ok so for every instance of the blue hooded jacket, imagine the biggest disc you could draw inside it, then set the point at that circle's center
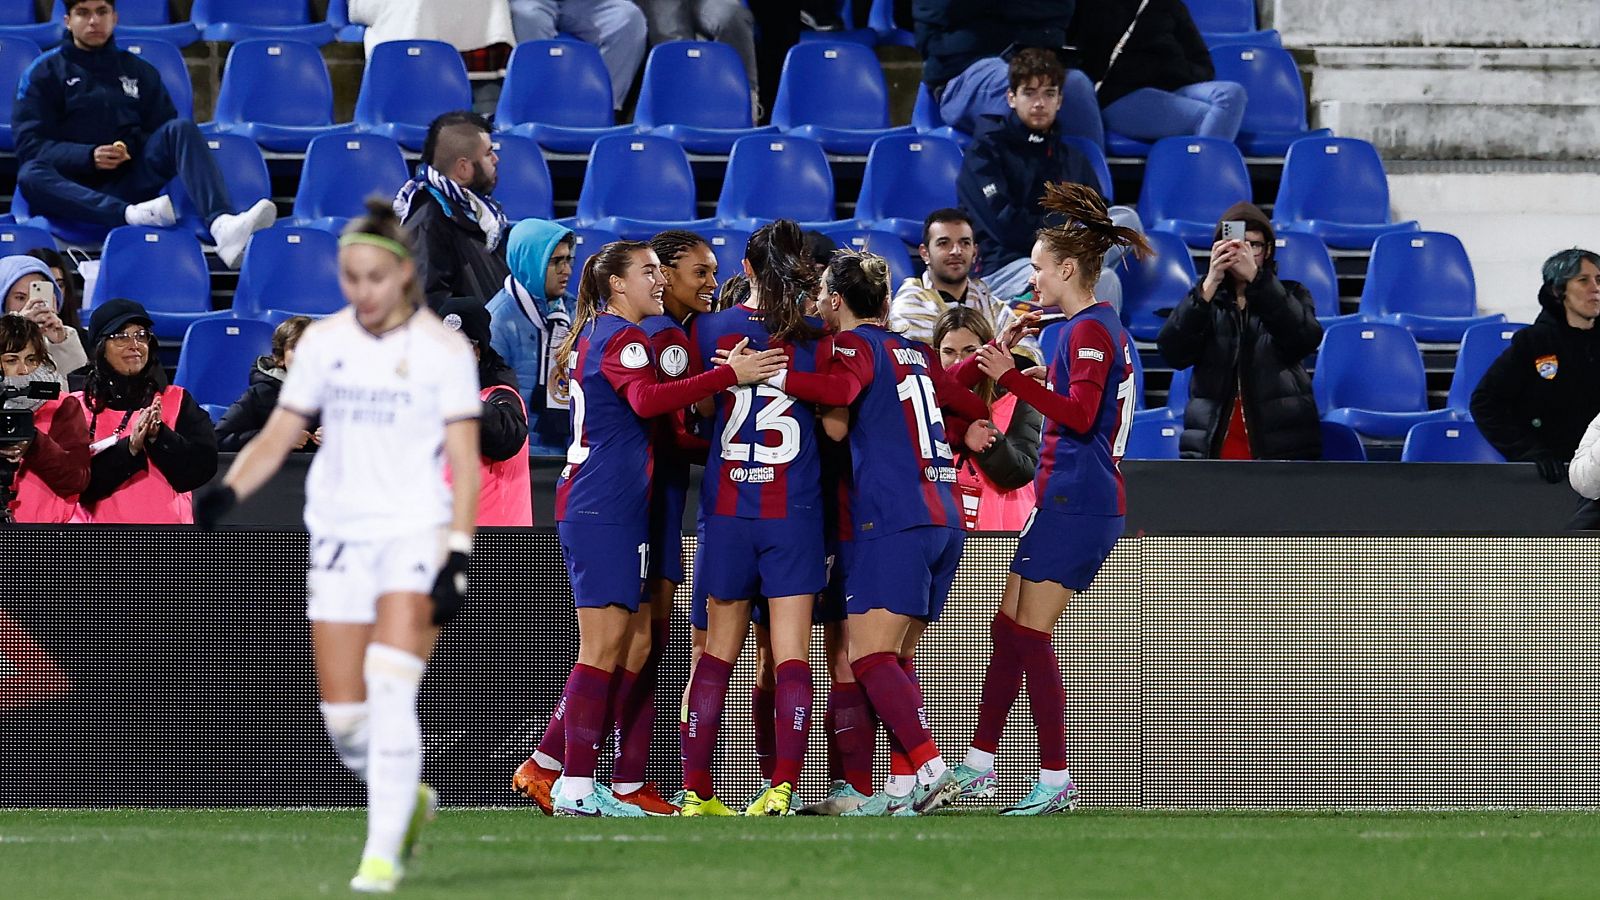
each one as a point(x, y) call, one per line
point(520, 342)
point(15, 267)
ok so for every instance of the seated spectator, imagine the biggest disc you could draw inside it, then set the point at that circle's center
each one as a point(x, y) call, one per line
point(615, 26)
point(65, 273)
point(98, 139)
point(1247, 335)
point(996, 485)
point(248, 414)
point(1160, 83)
point(505, 493)
point(727, 21)
point(463, 24)
point(949, 252)
point(1001, 185)
point(529, 320)
point(1535, 401)
point(152, 443)
point(44, 307)
point(41, 478)
point(458, 229)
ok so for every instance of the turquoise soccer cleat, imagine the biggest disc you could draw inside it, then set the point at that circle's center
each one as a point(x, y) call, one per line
point(975, 784)
point(1045, 799)
point(928, 798)
point(600, 803)
point(842, 798)
point(881, 804)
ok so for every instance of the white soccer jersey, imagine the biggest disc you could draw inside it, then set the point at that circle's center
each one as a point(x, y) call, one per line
point(384, 402)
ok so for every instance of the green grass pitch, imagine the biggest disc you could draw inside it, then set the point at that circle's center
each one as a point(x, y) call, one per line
point(245, 854)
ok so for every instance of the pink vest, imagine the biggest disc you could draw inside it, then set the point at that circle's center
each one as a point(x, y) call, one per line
point(505, 488)
point(997, 510)
point(146, 498)
point(36, 501)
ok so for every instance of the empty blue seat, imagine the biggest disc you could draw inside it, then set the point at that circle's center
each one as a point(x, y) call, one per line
point(140, 20)
point(276, 93)
point(585, 242)
point(1178, 391)
point(341, 172)
point(881, 19)
point(1222, 16)
point(1124, 147)
point(17, 21)
point(925, 118)
point(1336, 189)
point(1189, 182)
point(242, 20)
point(168, 60)
point(1423, 281)
point(218, 354)
point(1275, 117)
point(407, 85)
point(345, 31)
point(907, 177)
point(696, 93)
point(16, 55)
point(1481, 345)
point(1340, 443)
point(1153, 435)
point(884, 244)
point(287, 272)
point(834, 93)
point(1448, 442)
point(727, 245)
point(1268, 39)
point(1304, 258)
point(1369, 376)
point(636, 185)
point(776, 177)
point(1097, 159)
point(68, 232)
point(163, 269)
point(1152, 287)
point(17, 239)
point(568, 120)
point(524, 188)
point(244, 171)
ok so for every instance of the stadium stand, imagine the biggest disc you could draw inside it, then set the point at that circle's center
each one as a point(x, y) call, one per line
point(345, 31)
point(243, 20)
point(907, 177)
point(341, 171)
point(1304, 258)
point(162, 269)
point(1152, 287)
point(1480, 346)
point(524, 189)
point(244, 171)
point(1178, 390)
point(1097, 159)
point(773, 177)
point(696, 93)
point(168, 60)
point(585, 242)
point(1189, 182)
point(287, 272)
point(1275, 117)
point(144, 20)
point(611, 197)
point(834, 93)
point(1336, 189)
point(1340, 443)
point(1448, 442)
point(1369, 376)
point(16, 239)
point(887, 245)
point(1153, 436)
point(17, 21)
point(16, 55)
point(727, 244)
point(214, 365)
point(568, 120)
point(277, 93)
point(408, 84)
point(1423, 282)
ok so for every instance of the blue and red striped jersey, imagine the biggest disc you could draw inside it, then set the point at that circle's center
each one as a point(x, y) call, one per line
point(609, 462)
point(675, 448)
point(836, 488)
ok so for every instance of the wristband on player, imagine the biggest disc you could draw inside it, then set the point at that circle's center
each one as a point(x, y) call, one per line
point(458, 542)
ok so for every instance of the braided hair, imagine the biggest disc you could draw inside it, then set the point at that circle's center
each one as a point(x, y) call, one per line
point(1088, 233)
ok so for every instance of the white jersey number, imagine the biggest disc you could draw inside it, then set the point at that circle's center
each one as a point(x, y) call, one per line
point(918, 391)
point(771, 418)
point(1125, 406)
point(577, 451)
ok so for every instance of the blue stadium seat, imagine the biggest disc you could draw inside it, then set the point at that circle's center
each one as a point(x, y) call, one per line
point(1336, 189)
point(1481, 345)
point(17, 239)
point(585, 242)
point(1097, 159)
point(289, 271)
point(163, 269)
point(141, 20)
point(345, 31)
point(776, 177)
point(408, 84)
point(17, 21)
point(524, 179)
point(834, 93)
point(566, 121)
point(276, 93)
point(1369, 376)
point(907, 177)
point(1222, 16)
point(1304, 258)
point(925, 118)
point(340, 173)
point(1050, 337)
point(244, 171)
point(1268, 39)
point(696, 93)
point(1123, 147)
point(217, 356)
point(16, 55)
point(1189, 182)
point(881, 19)
point(636, 185)
point(886, 245)
point(1340, 443)
point(68, 232)
point(243, 20)
point(1423, 282)
point(1153, 435)
point(1448, 442)
point(1152, 287)
point(1178, 391)
point(1275, 117)
point(168, 60)
point(727, 245)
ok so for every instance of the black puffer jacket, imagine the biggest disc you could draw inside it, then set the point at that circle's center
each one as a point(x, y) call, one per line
point(1164, 52)
point(248, 414)
point(953, 34)
point(1526, 414)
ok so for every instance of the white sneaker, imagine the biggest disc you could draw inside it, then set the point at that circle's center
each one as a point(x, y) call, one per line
point(232, 232)
point(157, 213)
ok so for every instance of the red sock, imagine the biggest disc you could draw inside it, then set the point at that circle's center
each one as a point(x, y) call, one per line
point(853, 734)
point(587, 691)
point(763, 708)
point(554, 742)
point(794, 701)
point(624, 685)
point(707, 693)
point(1002, 681)
point(639, 712)
point(895, 700)
point(1047, 697)
point(909, 666)
point(835, 765)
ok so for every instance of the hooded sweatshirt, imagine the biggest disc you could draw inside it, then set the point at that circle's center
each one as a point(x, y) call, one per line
point(1537, 398)
point(68, 355)
point(526, 327)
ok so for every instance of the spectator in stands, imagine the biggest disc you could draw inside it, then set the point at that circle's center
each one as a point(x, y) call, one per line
point(43, 305)
point(98, 139)
point(1535, 401)
point(248, 414)
point(65, 274)
point(949, 252)
point(1003, 175)
point(1246, 334)
point(995, 485)
point(617, 27)
point(1153, 72)
point(820, 248)
point(458, 228)
point(505, 492)
point(727, 21)
point(529, 319)
point(45, 474)
point(152, 443)
point(463, 24)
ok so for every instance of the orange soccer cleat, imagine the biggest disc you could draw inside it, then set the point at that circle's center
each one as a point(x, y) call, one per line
point(649, 800)
point(534, 781)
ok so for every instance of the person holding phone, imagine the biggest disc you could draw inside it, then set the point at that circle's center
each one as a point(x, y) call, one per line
point(1247, 334)
point(31, 291)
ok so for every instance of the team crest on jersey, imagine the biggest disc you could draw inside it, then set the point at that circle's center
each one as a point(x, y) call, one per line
point(674, 360)
point(1547, 366)
point(130, 86)
point(634, 356)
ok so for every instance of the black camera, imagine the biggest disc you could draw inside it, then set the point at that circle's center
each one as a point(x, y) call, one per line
point(16, 427)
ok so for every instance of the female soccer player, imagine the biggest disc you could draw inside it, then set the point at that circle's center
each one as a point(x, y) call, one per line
point(1088, 400)
point(602, 498)
point(397, 392)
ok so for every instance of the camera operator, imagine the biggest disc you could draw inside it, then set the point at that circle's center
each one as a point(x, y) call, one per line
point(40, 476)
point(31, 290)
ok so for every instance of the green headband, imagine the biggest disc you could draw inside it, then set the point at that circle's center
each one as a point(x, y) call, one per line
point(375, 240)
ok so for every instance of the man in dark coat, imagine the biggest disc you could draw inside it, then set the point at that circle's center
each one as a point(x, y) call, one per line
point(460, 230)
point(1247, 335)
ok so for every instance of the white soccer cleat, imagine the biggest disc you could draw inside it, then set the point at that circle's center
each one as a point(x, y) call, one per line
point(232, 232)
point(157, 213)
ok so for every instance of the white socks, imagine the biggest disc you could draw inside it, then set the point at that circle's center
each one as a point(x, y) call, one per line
point(978, 759)
point(157, 213)
point(931, 771)
point(347, 728)
point(394, 755)
point(900, 785)
point(546, 760)
point(1054, 777)
point(574, 789)
point(232, 232)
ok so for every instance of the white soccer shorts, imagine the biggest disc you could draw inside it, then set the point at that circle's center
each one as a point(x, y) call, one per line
point(347, 577)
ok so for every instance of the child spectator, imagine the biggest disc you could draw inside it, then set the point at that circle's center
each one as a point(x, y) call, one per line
point(245, 418)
